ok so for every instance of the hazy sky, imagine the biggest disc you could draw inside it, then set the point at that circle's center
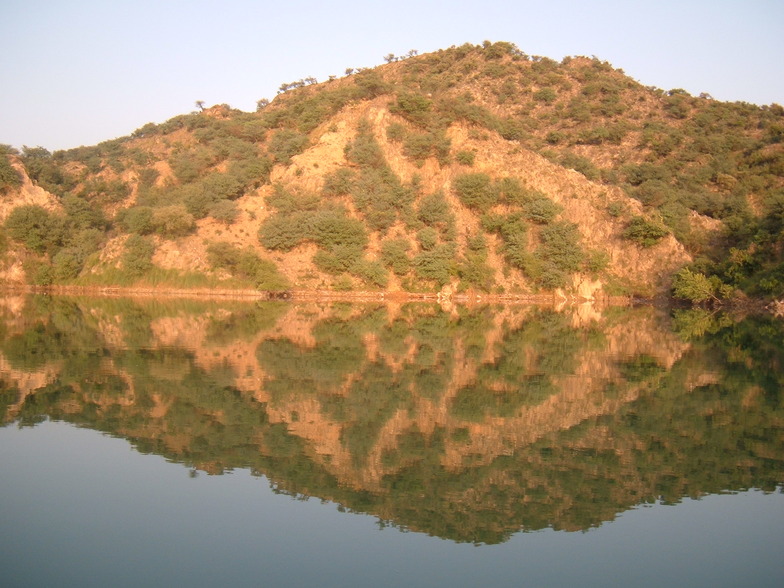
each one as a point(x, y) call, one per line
point(78, 72)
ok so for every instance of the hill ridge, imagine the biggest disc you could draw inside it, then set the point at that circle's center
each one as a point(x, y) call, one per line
point(475, 168)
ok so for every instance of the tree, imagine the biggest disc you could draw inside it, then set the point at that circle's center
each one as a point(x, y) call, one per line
point(200, 105)
point(35, 227)
point(694, 286)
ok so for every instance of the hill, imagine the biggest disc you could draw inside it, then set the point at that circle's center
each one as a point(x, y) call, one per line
point(474, 168)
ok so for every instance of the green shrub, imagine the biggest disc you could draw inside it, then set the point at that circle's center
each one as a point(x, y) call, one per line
point(333, 227)
point(370, 84)
point(514, 232)
point(287, 143)
point(364, 150)
point(67, 263)
point(513, 192)
point(541, 210)
point(465, 157)
point(36, 228)
point(428, 238)
point(437, 264)
point(105, 192)
point(434, 211)
point(224, 211)
point(418, 146)
point(196, 199)
point(510, 129)
point(550, 276)
point(637, 174)
point(413, 107)
point(495, 70)
point(396, 132)
point(247, 265)
point(561, 246)
point(82, 215)
point(616, 209)
point(476, 243)
point(47, 172)
point(546, 95)
point(644, 232)
point(394, 254)
point(474, 271)
point(596, 262)
point(137, 257)
point(189, 164)
point(38, 272)
point(251, 172)
point(338, 183)
point(338, 259)
point(284, 231)
point(556, 137)
point(223, 185)
point(137, 219)
point(580, 164)
point(380, 196)
point(371, 272)
point(695, 286)
point(286, 202)
point(475, 191)
point(462, 108)
point(500, 49)
point(172, 221)
point(9, 177)
point(223, 255)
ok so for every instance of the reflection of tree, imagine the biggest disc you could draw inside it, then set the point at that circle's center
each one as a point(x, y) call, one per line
point(338, 352)
point(417, 418)
point(529, 360)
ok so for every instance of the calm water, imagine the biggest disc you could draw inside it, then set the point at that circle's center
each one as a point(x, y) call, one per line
point(272, 444)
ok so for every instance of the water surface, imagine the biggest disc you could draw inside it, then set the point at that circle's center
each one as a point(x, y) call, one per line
point(333, 444)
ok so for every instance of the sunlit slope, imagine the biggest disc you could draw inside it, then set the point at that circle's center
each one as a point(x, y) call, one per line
point(475, 168)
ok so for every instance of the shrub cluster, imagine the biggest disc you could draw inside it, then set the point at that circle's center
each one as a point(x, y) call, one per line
point(644, 232)
point(246, 265)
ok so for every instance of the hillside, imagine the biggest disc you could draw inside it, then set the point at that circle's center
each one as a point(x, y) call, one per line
point(472, 169)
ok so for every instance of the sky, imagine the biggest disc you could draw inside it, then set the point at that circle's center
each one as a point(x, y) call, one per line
point(78, 72)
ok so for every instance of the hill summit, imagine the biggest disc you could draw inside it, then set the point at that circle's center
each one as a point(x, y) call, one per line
point(473, 169)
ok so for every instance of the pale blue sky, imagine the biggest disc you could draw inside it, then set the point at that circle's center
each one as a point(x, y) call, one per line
point(77, 72)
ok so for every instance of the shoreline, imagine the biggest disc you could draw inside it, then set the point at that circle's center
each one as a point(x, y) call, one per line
point(741, 306)
point(463, 298)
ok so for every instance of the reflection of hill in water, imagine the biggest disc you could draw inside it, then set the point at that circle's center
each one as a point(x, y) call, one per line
point(469, 425)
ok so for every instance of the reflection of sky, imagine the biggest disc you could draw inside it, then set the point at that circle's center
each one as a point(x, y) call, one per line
point(78, 509)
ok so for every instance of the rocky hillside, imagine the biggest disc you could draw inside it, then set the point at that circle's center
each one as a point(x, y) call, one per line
point(474, 169)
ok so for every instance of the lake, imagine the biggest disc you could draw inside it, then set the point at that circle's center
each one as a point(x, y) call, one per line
point(160, 442)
